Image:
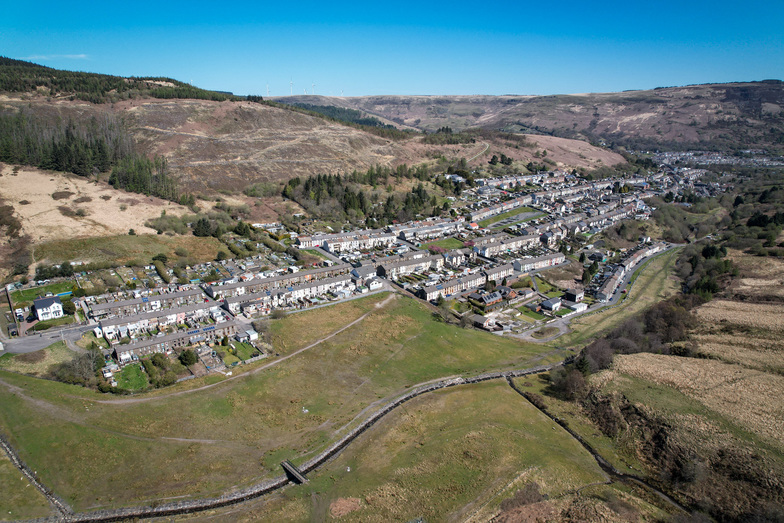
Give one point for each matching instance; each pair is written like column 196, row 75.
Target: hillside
column 712, row 116
column 225, row 146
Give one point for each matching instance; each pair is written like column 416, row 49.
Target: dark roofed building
column 48, row 308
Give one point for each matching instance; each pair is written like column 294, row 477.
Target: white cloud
column 57, row 57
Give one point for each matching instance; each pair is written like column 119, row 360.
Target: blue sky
column 407, row 47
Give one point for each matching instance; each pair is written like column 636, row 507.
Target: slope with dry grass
column 735, row 115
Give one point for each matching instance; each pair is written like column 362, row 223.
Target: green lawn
column 244, row 350
column 291, row 410
column 25, row 297
column 446, row 243
column 508, row 214
column 132, row 378
column 228, row 358
column 316, row 252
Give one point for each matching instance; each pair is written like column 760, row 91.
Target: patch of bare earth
column 106, row 211
column 344, row 506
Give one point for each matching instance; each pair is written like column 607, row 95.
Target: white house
column 48, row 308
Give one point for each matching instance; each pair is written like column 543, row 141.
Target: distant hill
column 216, row 141
column 711, row 116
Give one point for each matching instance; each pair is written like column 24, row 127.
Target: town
column 482, row 265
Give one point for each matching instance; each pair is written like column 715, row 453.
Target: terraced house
column 453, row 286
column 513, row 244
column 151, row 302
column 396, row 269
column 259, row 284
column 212, row 333
column 540, row 262
column 117, row 328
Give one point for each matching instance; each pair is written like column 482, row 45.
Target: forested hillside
column 20, row 76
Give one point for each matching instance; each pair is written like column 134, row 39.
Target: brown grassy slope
column 108, row 211
column 225, row 146
column 738, row 114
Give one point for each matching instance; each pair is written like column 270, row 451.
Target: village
column 483, row 263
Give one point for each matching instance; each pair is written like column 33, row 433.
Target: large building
column 48, row 308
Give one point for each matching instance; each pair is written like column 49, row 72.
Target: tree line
column 333, row 196
column 81, row 147
column 147, row 176
column 344, row 115
column 21, row 76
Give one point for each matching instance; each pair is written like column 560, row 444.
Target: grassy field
column 126, row 249
column 38, row 363
column 132, row 378
column 202, row 443
column 508, row 214
column 654, row 284
column 19, row 499
column 525, row 311
column 447, row 243
column 432, row 460
column 580, row 423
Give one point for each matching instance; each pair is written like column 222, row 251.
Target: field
column 748, row 398
column 431, row 460
column 202, row 442
column 754, row 315
column 37, row 363
column 654, row 283
column 125, row 249
column 20, row 499
column 108, row 211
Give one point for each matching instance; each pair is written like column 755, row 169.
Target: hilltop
column 711, row 116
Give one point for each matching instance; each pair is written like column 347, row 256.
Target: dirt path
column 254, row 371
column 487, row 146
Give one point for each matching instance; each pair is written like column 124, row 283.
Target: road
column 40, row 341
column 562, row 324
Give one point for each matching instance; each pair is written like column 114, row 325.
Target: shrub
column 188, row 357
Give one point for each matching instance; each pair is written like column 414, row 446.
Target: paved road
column 36, row 342
column 563, row 323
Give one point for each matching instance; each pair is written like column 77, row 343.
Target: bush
column 188, row 357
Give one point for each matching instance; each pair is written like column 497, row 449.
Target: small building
column 574, row 295
column 553, row 304
column 480, row 321
column 578, row 307
column 48, row 308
